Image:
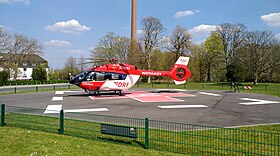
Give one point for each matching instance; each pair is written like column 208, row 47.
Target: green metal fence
column 35, row 88
column 210, row 86
column 152, row 134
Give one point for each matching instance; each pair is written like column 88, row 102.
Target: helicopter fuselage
column 118, row 77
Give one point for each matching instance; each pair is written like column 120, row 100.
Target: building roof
column 28, row 60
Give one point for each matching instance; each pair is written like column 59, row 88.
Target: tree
column 235, row 72
column 70, row 68
column 260, row 54
column 196, row 63
column 4, row 40
column 273, row 74
column 19, row 48
column 4, row 75
column 54, row 74
column 213, row 53
column 121, row 47
column 112, row 46
column 233, row 37
column 82, row 63
column 39, row 73
column 152, row 30
column 180, row 41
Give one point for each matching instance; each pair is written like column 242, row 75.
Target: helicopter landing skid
column 98, row 92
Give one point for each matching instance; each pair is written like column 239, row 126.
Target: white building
column 25, row 68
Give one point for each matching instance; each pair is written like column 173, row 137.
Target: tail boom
column 179, row 72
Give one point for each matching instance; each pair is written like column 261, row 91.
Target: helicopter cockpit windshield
column 78, row 78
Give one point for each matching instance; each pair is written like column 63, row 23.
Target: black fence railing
column 161, row 135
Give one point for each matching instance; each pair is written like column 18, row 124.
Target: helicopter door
column 91, row 76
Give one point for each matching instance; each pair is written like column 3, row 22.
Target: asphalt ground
column 216, row 108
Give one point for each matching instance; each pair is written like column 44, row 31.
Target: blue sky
column 72, row 27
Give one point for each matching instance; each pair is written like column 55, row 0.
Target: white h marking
column 204, row 93
column 53, row 109
column 256, row 102
column 57, row 98
column 183, row 106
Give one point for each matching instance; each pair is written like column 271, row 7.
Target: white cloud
column 71, row 26
column 272, row 19
column 58, row 43
column 5, row 28
column 180, row 14
column 201, row 32
column 15, row 1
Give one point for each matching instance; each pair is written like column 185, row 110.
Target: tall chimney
column 133, row 22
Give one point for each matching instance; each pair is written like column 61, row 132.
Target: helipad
column 145, row 96
column 217, row 108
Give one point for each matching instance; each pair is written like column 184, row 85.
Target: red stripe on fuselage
column 92, row 85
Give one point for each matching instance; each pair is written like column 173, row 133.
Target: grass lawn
column 27, row 134
column 20, row 141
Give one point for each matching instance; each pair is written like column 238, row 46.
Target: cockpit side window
column 108, row 76
column 99, row 76
column 91, row 76
column 122, row 77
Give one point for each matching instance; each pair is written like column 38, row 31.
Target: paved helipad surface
column 218, row 108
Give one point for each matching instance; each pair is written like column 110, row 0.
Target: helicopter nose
column 72, row 80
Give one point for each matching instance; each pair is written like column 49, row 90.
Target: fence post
column 146, row 133
column 61, row 122
column 15, row 90
column 3, row 115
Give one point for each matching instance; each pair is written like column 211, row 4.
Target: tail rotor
column 180, row 72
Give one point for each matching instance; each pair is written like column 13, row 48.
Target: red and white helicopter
column 118, row 77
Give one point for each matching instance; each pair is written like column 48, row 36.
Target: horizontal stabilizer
column 179, row 82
